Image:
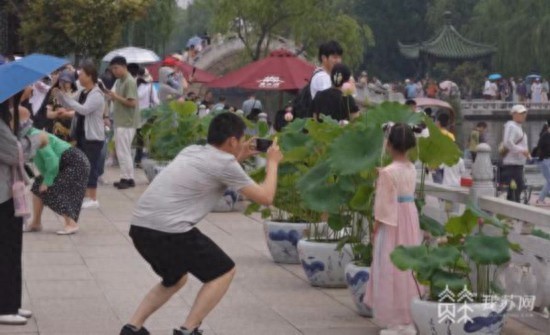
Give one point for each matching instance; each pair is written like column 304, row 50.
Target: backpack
column 302, row 103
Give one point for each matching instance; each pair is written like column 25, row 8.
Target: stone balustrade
column 535, row 257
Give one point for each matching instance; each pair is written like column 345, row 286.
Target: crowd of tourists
column 64, row 122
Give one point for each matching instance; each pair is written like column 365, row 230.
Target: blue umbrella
column 15, row 76
column 195, row 40
column 495, row 76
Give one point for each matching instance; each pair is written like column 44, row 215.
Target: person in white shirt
column 487, row 89
column 536, row 91
column 516, row 152
column 147, row 98
column 330, row 53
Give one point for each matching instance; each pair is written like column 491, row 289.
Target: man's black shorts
column 174, row 255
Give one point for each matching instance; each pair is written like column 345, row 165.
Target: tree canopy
column 520, row 29
column 63, row 27
column 309, row 22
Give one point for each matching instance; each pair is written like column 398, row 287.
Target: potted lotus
column 445, row 268
column 287, row 221
column 173, row 127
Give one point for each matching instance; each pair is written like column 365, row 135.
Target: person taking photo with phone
column 165, row 233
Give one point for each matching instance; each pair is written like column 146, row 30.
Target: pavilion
column 448, row 46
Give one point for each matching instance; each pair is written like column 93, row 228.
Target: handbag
column 503, row 150
column 20, row 204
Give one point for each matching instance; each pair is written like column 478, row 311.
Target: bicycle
column 502, row 187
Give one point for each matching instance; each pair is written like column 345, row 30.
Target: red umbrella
column 280, row 71
column 200, row 76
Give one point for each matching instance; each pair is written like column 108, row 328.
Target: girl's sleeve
column 385, row 202
column 51, row 165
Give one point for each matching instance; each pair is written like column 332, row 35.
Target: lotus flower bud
column 289, row 117
column 348, row 88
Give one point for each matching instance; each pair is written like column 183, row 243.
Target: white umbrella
column 133, row 55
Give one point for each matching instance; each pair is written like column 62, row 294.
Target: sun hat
column 518, row 109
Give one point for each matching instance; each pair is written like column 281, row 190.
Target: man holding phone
column 163, row 224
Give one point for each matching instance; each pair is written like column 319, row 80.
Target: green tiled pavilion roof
column 449, row 44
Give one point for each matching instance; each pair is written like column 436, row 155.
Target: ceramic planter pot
column 323, row 264
column 485, row 318
column 152, row 168
column 282, row 240
column 356, row 279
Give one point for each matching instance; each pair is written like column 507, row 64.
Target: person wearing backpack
column 330, row 54
column 334, row 102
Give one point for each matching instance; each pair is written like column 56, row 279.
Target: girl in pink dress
column 390, row 290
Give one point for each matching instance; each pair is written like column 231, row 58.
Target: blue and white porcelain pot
column 323, row 264
column 282, row 240
column 356, row 279
column 464, row 318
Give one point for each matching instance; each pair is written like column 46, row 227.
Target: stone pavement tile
column 318, row 316
column 61, row 244
column 344, row 297
column 56, row 272
column 91, row 315
column 99, row 240
column 344, row 331
column 296, row 269
column 296, row 297
column 31, row 259
column 59, row 289
column 123, row 251
column 96, row 226
column 115, row 265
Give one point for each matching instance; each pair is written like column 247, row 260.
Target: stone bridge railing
column 482, row 106
column 535, row 258
column 219, row 55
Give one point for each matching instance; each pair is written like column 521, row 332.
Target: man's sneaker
column 125, row 183
column 90, row 204
column 131, row 330
column 183, row 331
column 118, row 183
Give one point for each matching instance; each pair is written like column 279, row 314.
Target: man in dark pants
column 516, row 153
column 164, row 221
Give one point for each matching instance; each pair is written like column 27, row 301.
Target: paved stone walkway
column 90, row 283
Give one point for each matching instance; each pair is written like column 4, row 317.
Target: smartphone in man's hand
column 263, row 144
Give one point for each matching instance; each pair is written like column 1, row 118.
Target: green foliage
column 461, row 13
column 155, row 29
column 448, row 261
column 437, row 149
column 175, row 125
column 308, row 22
column 64, row 27
column 541, row 234
column 196, row 19
column 519, row 29
column 469, row 77
column 391, row 21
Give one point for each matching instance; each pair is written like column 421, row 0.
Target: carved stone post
column 482, row 174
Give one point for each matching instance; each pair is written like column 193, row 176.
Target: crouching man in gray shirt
column 163, row 224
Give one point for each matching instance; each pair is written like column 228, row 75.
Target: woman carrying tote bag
column 11, row 227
